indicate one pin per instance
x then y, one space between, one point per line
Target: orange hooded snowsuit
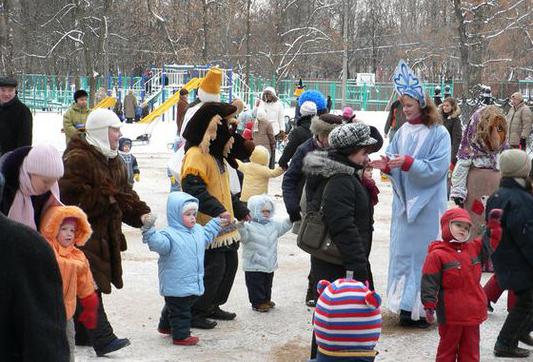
73 265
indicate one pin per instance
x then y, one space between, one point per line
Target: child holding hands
181 247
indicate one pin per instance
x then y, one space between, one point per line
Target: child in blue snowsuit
259 239
181 246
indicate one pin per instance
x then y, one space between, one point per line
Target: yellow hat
210 86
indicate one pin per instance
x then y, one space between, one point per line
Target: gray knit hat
514 163
350 136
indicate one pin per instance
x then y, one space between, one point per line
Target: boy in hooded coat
450 284
181 247
73 265
260 250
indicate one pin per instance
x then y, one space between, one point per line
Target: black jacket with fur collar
334 183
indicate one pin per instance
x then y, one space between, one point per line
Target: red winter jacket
451 275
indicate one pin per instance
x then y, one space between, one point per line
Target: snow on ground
281 335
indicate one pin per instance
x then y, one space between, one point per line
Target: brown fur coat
99 186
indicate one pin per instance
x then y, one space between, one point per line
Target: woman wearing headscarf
31 175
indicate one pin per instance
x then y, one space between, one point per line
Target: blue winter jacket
181 249
259 237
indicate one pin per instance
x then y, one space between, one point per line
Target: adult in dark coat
345 202
96 180
16 121
31 303
300 134
450 113
513 258
294 179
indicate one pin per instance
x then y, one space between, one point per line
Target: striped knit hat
347 316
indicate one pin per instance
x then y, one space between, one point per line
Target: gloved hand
137 177
523 144
148 221
89 315
172 180
295 216
430 316
459 201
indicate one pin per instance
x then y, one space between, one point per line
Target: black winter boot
501 350
527 339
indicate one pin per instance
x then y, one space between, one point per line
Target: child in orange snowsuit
65 228
451 284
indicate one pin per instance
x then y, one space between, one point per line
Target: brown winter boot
262 308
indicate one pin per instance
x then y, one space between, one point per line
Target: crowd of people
61 217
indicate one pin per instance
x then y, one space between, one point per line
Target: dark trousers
458 343
259 287
519 320
322 270
272 160
220 266
176 316
99 337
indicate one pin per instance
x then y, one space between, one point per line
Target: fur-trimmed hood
320 126
53 218
320 163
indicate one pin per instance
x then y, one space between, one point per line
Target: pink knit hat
45 160
347 113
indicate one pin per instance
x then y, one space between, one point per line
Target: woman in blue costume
417 162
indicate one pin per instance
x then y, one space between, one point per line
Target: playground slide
165 106
107 102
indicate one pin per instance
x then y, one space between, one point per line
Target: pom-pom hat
347 316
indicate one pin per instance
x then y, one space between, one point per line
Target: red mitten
89 314
477 207
430 316
494 226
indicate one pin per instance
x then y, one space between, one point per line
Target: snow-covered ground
284 334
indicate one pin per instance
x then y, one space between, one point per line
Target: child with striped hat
347 321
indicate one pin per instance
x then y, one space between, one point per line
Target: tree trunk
102 46
204 49
6 40
248 7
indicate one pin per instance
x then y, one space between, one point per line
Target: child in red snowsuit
451 284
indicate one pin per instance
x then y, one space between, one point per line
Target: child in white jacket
259 238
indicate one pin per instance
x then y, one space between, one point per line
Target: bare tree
6 39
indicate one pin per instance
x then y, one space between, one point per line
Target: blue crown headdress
406 82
